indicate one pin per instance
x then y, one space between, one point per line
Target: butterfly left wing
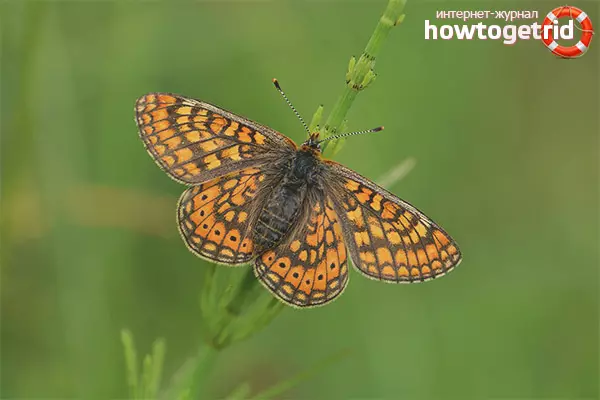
195 142
388 239
310 268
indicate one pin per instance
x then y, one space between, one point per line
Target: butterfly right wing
194 141
387 238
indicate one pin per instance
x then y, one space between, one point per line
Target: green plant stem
360 74
202 369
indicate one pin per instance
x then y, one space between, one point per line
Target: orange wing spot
388 272
414 236
408 216
301 296
150 98
192 169
451 249
211 145
223 198
246 246
148 131
238 199
212 161
173 143
412 258
307 281
203 228
227 252
329 237
217 233
224 208
169 160
376 203
422 257
200 119
320 276
242 216
357 217
232 153
229 216
313 256
274 277
363 197
394 237
362 238
185 110
230 131
436 265
295 275
217 124
185 128
387 214
146 119
287 289
333 284
244 135
230 183
425 270
421 229
210 246
295 246
166 134
404 221
333 270
311 240
207 195
367 257
259 138
184 155
268 257
318 295
373 269
407 240
444 255
414 272
352 185
160 125
398 225
432 252
179 171
183 120
303 256
384 256
375 228
159 114
401 258
193 136
403 271
163 98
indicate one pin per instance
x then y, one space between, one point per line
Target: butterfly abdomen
278 215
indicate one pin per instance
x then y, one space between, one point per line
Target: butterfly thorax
299 175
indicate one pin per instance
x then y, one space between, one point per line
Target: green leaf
130 362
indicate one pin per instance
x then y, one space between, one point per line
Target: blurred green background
506 144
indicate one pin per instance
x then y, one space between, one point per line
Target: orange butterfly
256 195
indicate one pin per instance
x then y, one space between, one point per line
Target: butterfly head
312 143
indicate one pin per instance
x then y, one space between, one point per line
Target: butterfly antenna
276 83
379 128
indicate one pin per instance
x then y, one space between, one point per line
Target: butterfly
256 196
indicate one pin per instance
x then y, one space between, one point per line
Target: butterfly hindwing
195 141
388 239
215 218
310 268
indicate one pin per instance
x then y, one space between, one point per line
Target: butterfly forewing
388 239
311 267
195 141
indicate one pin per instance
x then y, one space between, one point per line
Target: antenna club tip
276 83
380 128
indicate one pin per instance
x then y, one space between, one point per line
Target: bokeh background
505 140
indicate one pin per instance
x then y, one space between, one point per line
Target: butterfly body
256 196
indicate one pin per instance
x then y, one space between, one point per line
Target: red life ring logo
550 24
